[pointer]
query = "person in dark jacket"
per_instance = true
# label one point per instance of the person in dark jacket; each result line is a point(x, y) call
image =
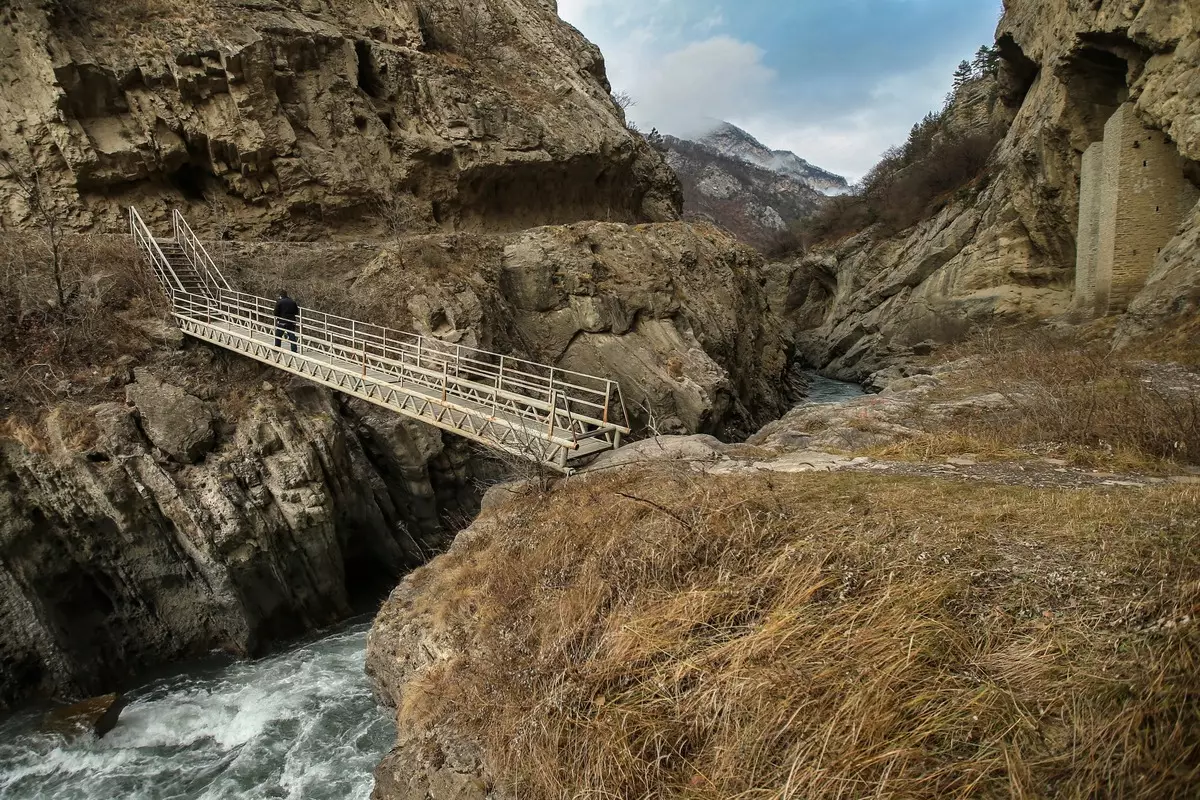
point(286, 312)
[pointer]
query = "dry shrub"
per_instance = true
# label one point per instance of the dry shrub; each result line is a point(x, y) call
point(1165, 340)
point(913, 193)
point(1080, 396)
point(466, 28)
point(837, 218)
point(656, 634)
point(43, 344)
point(910, 183)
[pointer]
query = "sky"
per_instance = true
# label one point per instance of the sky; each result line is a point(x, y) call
point(835, 81)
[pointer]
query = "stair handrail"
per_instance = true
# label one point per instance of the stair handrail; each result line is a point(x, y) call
point(142, 233)
point(187, 239)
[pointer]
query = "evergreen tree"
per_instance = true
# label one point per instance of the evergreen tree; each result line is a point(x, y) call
point(987, 61)
point(963, 74)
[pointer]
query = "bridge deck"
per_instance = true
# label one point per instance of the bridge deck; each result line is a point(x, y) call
point(528, 410)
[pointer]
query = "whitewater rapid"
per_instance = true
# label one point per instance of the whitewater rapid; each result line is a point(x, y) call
point(299, 724)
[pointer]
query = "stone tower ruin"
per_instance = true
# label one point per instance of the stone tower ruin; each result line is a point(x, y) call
point(1133, 194)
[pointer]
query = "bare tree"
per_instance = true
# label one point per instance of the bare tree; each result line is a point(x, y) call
point(400, 216)
point(466, 27)
point(32, 188)
point(624, 100)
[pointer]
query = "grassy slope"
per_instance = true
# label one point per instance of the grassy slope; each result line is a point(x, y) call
point(661, 633)
point(1070, 394)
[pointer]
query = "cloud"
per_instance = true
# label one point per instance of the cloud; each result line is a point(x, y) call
point(835, 82)
point(684, 91)
point(851, 142)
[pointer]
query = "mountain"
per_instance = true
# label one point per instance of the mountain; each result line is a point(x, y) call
point(731, 179)
point(733, 142)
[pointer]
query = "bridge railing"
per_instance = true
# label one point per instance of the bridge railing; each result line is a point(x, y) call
point(571, 404)
point(158, 261)
point(195, 252)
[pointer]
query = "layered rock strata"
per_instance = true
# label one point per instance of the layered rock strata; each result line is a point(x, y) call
point(305, 116)
point(1005, 249)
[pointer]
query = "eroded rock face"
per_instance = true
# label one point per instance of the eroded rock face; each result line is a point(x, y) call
point(677, 313)
point(1006, 252)
point(175, 421)
point(305, 116)
point(114, 557)
point(674, 312)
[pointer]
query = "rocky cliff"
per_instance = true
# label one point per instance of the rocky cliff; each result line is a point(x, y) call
point(1003, 248)
point(213, 510)
point(178, 498)
point(311, 116)
point(161, 498)
point(676, 312)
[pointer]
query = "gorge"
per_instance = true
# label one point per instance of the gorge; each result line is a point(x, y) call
point(986, 565)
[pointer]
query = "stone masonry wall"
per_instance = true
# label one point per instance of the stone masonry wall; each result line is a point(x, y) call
point(1142, 198)
point(1088, 250)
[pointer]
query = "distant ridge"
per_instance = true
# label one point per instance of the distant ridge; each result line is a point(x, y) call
point(734, 181)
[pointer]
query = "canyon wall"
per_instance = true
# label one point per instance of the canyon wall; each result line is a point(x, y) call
point(1004, 247)
point(213, 510)
point(455, 168)
point(179, 498)
point(305, 117)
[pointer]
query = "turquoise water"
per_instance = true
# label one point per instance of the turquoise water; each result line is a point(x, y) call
point(298, 724)
point(827, 390)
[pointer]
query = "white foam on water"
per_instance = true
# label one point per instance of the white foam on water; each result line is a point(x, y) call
point(300, 724)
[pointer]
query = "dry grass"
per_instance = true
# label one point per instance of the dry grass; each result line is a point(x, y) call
point(1070, 395)
point(936, 446)
point(43, 345)
point(658, 634)
point(1178, 342)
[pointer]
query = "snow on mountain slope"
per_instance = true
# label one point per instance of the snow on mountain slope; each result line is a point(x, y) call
point(734, 181)
point(730, 140)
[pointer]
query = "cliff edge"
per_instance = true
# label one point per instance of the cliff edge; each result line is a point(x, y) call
point(1003, 243)
point(308, 117)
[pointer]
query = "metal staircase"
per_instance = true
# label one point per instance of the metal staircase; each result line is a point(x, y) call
point(532, 411)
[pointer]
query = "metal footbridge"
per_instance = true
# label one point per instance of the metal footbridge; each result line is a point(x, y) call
point(532, 411)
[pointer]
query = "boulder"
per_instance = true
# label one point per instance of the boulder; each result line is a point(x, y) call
point(181, 425)
point(96, 716)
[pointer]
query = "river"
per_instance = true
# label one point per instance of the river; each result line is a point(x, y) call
point(827, 390)
point(298, 724)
